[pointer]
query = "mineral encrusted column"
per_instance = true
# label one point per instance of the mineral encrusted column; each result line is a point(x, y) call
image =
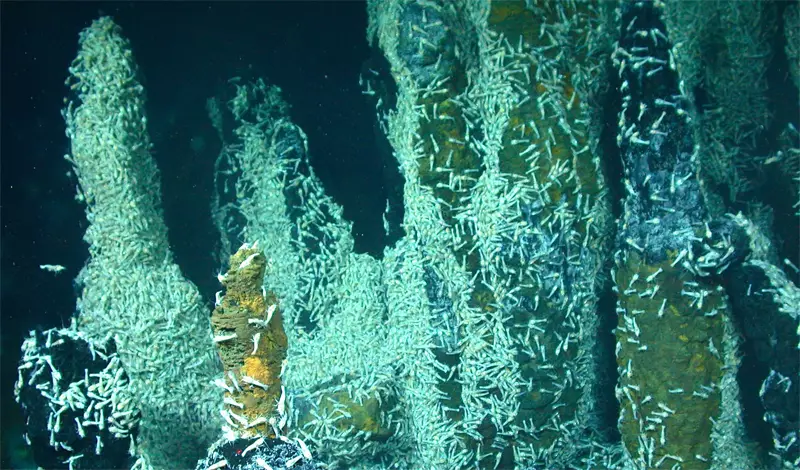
point(676, 347)
point(506, 214)
point(248, 331)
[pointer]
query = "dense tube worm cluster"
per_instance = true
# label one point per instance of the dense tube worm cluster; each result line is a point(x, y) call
point(473, 342)
point(131, 289)
point(504, 200)
point(339, 392)
point(73, 393)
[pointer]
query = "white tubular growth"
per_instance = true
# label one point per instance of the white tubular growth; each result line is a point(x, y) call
point(132, 290)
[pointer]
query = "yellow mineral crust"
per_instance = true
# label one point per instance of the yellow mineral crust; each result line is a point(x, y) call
point(251, 343)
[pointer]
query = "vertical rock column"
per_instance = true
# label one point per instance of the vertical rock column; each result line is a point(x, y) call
point(131, 289)
point(506, 216)
point(675, 346)
point(248, 331)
